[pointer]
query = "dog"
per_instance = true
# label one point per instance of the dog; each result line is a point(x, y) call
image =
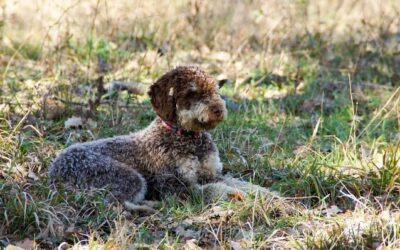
point(170, 156)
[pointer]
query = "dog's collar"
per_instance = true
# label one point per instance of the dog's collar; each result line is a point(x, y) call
point(178, 130)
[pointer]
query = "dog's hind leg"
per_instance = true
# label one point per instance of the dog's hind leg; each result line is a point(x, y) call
point(85, 168)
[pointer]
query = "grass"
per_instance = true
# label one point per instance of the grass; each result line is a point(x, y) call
point(315, 118)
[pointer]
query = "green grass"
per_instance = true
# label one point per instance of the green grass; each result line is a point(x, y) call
point(317, 121)
point(260, 141)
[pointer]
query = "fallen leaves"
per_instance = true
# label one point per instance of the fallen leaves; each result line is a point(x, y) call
point(191, 245)
point(236, 196)
point(32, 175)
point(73, 122)
point(25, 244)
point(332, 210)
point(52, 108)
point(218, 214)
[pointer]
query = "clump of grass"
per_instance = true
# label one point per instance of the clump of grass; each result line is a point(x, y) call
point(315, 117)
point(384, 177)
point(32, 209)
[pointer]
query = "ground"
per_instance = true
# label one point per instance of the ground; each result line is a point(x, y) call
point(313, 94)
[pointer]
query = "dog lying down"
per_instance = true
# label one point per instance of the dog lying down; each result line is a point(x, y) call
point(173, 155)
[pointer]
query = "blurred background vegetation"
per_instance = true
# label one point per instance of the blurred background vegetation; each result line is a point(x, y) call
point(313, 94)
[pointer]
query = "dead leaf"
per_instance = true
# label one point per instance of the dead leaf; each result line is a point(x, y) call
point(301, 87)
point(12, 247)
point(219, 215)
point(187, 222)
point(332, 210)
point(235, 196)
point(235, 245)
point(53, 108)
point(25, 244)
point(191, 245)
point(32, 175)
point(74, 123)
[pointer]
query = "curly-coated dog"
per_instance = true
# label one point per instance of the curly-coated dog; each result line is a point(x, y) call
point(174, 153)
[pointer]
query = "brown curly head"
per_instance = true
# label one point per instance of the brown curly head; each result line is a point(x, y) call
point(187, 96)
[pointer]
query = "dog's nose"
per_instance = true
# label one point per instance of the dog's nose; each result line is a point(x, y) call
point(217, 111)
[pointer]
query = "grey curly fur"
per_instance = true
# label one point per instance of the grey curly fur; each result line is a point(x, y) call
point(156, 160)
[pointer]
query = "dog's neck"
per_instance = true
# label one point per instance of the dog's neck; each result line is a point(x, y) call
point(179, 130)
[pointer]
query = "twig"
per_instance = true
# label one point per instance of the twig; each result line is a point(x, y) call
point(93, 104)
point(21, 122)
point(85, 104)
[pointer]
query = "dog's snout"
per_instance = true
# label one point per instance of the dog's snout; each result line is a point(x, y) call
point(218, 111)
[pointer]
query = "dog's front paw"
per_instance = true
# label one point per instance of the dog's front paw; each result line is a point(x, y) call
point(230, 189)
point(216, 191)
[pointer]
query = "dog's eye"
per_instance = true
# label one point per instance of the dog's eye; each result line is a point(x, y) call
point(191, 90)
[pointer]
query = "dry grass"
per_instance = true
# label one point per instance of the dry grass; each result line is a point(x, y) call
point(313, 90)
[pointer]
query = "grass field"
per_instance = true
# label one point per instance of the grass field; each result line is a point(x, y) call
point(313, 91)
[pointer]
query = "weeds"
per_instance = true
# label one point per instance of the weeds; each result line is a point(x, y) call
point(313, 94)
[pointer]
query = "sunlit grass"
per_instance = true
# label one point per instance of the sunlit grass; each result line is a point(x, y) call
point(314, 107)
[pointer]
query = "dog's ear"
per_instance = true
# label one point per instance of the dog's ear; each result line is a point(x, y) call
point(162, 99)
